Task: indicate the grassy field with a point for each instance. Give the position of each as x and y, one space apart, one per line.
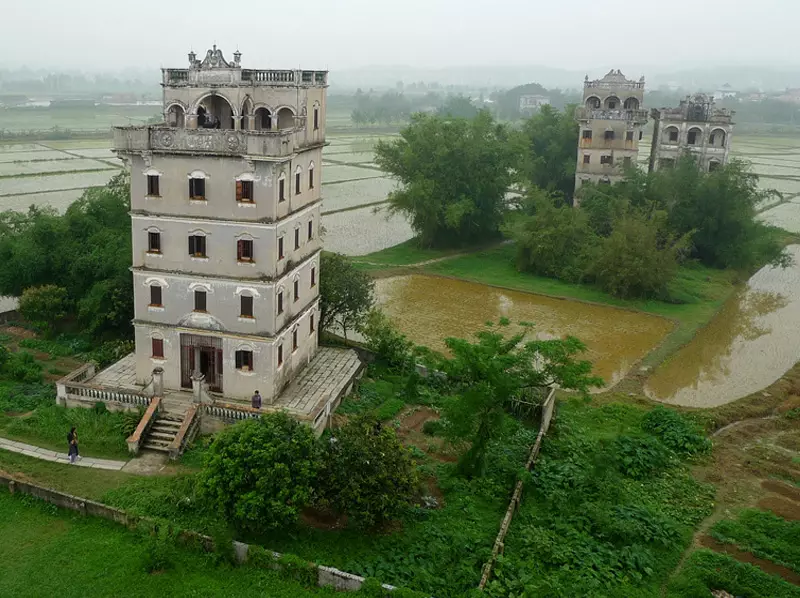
91 557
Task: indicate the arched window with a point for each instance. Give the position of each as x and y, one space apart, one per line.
282 187
285 118
593 103
263 119
612 103
316 117
298 173
631 104
694 136
670 135
176 116
311 176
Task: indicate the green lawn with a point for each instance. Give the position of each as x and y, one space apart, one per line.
405 254
702 291
50 552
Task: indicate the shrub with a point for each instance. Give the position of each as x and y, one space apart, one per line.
675 431
128 421
434 427
367 473
44 306
389 409
385 339
22 367
258 473
160 551
297 569
640 458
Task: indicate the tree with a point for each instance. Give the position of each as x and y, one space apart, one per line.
259 473
346 294
44 306
454 175
640 258
367 474
383 337
551 240
488 374
546 151
458 107
86 251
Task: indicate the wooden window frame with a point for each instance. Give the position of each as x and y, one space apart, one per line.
243 247
316 118
279 301
245 192
194 246
281 190
153 247
244 360
297 182
153 185
157 348
296 291
296 239
198 293
310 178
193 183
281 252
310 229
313 277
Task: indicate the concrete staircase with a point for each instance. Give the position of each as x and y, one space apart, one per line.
163 431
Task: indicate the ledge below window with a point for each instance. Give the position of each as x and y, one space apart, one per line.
246 319
148 197
197 258
246 204
155 308
157 254
198 201
246 372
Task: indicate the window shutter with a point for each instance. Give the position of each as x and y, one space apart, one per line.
239 189
238 360
191 245
239 250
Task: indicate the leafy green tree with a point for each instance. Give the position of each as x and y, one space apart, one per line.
260 473
720 207
44 307
367 473
551 240
639 258
546 151
488 374
346 294
458 107
383 337
454 175
86 251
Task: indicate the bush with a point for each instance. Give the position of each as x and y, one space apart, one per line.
259 473
44 306
434 427
383 337
160 552
389 409
22 367
25 397
367 473
640 458
675 431
297 569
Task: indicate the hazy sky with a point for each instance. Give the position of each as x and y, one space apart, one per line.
339 34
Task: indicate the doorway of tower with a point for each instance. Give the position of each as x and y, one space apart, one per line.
201 354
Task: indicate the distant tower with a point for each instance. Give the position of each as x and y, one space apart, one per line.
696 126
225 211
611 121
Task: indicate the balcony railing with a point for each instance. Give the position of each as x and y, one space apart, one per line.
614 85
178 77
207 141
634 115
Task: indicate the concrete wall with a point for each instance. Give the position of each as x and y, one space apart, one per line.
267 376
223 299
221 245
703 149
221 175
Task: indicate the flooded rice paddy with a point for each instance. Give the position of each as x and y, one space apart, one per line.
751 343
429 309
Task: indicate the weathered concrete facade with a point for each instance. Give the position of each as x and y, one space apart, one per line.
696 126
610 127
225 213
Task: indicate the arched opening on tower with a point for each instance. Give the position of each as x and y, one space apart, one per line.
176 116
593 103
717 138
670 135
263 119
285 119
214 112
247 111
714 165
632 104
695 136
612 103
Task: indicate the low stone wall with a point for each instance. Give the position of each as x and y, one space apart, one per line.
326 576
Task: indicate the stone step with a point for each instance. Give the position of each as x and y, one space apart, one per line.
171 417
166 423
155 447
157 435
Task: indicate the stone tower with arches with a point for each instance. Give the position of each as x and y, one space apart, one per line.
225 210
610 123
696 127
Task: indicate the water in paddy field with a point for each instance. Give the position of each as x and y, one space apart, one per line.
429 309
751 343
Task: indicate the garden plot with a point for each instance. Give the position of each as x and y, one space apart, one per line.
46 166
363 231
72 144
60 200
355 193
94 152
32 156
34 184
336 173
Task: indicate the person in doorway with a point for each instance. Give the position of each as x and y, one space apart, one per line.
255 402
72 440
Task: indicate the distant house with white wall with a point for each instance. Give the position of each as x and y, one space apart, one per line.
725 92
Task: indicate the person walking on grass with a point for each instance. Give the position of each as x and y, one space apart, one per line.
255 401
72 439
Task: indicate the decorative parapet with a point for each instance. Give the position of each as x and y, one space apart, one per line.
237 77
135 439
205 141
76 386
